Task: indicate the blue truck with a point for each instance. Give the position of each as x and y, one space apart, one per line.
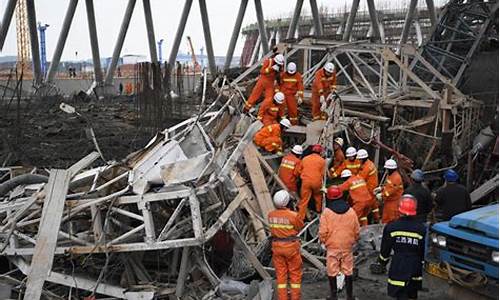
469 241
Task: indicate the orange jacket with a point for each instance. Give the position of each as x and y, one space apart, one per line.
269 137
270 112
338 158
289 171
267 73
353 166
338 231
358 190
284 223
369 173
312 168
324 85
291 84
393 187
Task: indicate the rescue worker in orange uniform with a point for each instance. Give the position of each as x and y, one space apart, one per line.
338 154
338 231
311 172
293 88
359 195
325 81
351 163
265 84
289 168
369 173
285 226
269 137
391 192
272 109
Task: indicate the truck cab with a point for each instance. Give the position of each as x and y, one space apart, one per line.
469 241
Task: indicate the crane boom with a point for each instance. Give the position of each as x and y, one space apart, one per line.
196 65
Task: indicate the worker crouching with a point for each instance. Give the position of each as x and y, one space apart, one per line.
269 137
285 225
311 172
405 237
339 231
272 109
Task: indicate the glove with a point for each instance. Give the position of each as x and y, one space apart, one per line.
330 97
323 190
299 100
377 190
379 196
323 247
276 68
252 110
321 99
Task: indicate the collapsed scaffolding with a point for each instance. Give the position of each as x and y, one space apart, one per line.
143 227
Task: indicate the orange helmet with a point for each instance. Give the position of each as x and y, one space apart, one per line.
408 205
317 148
333 193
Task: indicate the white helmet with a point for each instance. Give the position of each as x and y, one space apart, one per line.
391 164
286 123
279 97
297 149
281 198
329 67
339 141
346 174
291 68
362 153
279 59
350 152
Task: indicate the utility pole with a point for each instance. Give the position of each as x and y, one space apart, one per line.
160 56
43 48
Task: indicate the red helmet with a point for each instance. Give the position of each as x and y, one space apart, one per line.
317 148
408 205
333 193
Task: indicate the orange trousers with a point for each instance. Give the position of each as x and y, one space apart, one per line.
390 212
288 264
362 209
307 190
375 211
291 105
316 107
263 86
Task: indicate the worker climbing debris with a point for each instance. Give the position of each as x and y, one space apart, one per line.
269 137
292 86
406 238
311 172
339 232
324 84
360 198
285 225
266 82
272 110
289 168
390 192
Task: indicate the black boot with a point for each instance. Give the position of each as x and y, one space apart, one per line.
348 287
333 287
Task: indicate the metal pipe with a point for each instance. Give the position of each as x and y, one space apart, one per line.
35 50
119 42
350 20
56 58
208 38
262 26
408 21
7 17
295 19
318 27
374 19
178 34
150 30
94 43
432 12
236 33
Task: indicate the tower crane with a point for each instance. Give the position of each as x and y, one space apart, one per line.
196 65
22 36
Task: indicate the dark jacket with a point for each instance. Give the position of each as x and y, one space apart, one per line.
339 206
406 238
452 199
424 199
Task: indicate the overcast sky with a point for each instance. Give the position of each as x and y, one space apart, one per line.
166 15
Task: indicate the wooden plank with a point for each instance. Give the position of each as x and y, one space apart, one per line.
484 189
275 176
41 263
258 180
194 204
83 163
